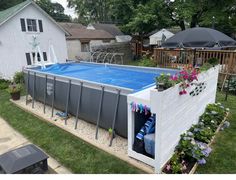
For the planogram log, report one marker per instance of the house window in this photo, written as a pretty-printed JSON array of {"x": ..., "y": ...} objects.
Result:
[
  {"x": 31, "y": 58},
  {"x": 22, "y": 22},
  {"x": 40, "y": 25},
  {"x": 45, "y": 56},
  {"x": 85, "y": 47},
  {"x": 31, "y": 25},
  {"x": 28, "y": 59}
]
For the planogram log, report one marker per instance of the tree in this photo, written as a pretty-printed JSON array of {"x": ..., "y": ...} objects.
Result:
[
  {"x": 90, "y": 10},
  {"x": 197, "y": 12},
  {"x": 55, "y": 10}
]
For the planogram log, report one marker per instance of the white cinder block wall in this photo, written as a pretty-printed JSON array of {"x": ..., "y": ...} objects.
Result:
[
  {"x": 175, "y": 114},
  {"x": 15, "y": 43}
]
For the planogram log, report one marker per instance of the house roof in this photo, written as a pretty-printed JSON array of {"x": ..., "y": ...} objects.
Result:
[
  {"x": 69, "y": 25},
  {"x": 11, "y": 12},
  {"x": 78, "y": 31},
  {"x": 4, "y": 15},
  {"x": 110, "y": 28}
]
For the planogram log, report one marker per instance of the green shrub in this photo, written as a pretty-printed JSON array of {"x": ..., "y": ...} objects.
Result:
[
  {"x": 19, "y": 78},
  {"x": 14, "y": 88},
  {"x": 145, "y": 61},
  {"x": 213, "y": 61},
  {"x": 232, "y": 85},
  {"x": 4, "y": 84},
  {"x": 202, "y": 133},
  {"x": 205, "y": 67}
]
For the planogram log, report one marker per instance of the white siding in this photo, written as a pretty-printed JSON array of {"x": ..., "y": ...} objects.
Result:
[{"x": 15, "y": 43}]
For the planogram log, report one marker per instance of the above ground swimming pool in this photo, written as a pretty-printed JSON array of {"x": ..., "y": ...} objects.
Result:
[{"x": 96, "y": 93}]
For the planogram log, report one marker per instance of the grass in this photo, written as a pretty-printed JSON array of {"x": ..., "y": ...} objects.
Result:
[
  {"x": 223, "y": 157},
  {"x": 69, "y": 150},
  {"x": 81, "y": 157}
]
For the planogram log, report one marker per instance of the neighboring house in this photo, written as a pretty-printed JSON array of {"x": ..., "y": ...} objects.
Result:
[
  {"x": 113, "y": 30},
  {"x": 81, "y": 40},
  {"x": 22, "y": 27},
  {"x": 159, "y": 37}
]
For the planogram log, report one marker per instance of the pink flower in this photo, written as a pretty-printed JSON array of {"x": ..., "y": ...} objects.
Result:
[
  {"x": 184, "y": 91},
  {"x": 185, "y": 76},
  {"x": 181, "y": 93},
  {"x": 168, "y": 167},
  {"x": 174, "y": 78}
]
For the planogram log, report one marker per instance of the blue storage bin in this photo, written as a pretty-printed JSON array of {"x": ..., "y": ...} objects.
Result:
[{"x": 149, "y": 143}]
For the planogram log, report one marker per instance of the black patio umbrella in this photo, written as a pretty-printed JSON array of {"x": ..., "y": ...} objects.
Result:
[{"x": 199, "y": 38}]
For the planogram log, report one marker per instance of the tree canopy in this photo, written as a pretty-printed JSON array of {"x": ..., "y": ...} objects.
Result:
[
  {"x": 142, "y": 16},
  {"x": 55, "y": 10}
]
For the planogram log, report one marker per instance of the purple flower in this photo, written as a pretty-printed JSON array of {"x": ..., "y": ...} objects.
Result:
[
  {"x": 206, "y": 152},
  {"x": 201, "y": 145},
  {"x": 202, "y": 161}
]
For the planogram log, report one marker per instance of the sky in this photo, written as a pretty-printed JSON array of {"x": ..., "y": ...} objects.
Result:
[{"x": 68, "y": 11}]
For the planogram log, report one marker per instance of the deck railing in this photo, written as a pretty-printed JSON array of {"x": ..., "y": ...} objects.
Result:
[{"x": 179, "y": 58}]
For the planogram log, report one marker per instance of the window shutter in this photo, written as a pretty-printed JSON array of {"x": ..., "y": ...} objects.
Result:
[
  {"x": 28, "y": 58},
  {"x": 22, "y": 22},
  {"x": 45, "y": 56},
  {"x": 38, "y": 57},
  {"x": 40, "y": 26}
]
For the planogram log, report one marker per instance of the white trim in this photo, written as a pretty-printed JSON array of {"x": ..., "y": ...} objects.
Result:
[{"x": 141, "y": 157}]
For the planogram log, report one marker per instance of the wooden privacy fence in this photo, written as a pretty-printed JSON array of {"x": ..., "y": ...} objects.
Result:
[{"x": 178, "y": 58}]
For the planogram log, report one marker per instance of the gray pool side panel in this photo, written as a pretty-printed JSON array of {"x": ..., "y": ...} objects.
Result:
[{"x": 90, "y": 101}]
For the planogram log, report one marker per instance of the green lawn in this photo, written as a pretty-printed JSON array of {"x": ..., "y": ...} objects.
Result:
[
  {"x": 81, "y": 157},
  {"x": 70, "y": 151},
  {"x": 223, "y": 157}
]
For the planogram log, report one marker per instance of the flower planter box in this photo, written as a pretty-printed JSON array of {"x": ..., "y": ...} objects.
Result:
[
  {"x": 195, "y": 165},
  {"x": 193, "y": 170}
]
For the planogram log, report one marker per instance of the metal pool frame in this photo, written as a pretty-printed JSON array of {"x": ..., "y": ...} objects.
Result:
[{"x": 101, "y": 104}]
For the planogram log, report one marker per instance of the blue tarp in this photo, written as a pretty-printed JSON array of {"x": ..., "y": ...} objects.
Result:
[{"x": 132, "y": 78}]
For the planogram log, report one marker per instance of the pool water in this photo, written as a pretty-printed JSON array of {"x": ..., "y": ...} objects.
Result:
[{"x": 127, "y": 77}]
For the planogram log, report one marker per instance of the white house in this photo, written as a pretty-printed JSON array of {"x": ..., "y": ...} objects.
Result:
[
  {"x": 25, "y": 30},
  {"x": 160, "y": 36}
]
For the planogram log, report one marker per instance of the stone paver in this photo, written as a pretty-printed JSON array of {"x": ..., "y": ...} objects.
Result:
[{"x": 10, "y": 139}]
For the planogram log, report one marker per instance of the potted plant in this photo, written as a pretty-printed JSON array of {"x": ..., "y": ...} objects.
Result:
[
  {"x": 164, "y": 82},
  {"x": 14, "y": 90}
]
